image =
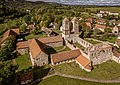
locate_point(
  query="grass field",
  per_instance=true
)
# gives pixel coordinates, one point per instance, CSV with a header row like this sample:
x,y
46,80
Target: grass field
x,y
108,70
23,61
111,9
111,39
42,34
79,46
57,49
57,80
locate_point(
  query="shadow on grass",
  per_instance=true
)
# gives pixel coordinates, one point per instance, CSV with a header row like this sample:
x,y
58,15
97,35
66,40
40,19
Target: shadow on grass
x,y
40,72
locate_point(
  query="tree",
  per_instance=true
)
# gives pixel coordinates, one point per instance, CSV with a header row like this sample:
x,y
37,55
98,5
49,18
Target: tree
x,y
27,19
7,71
108,30
23,27
7,49
97,31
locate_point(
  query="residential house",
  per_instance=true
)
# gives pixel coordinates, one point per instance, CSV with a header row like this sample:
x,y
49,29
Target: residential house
x,y
100,27
13,32
100,21
22,47
49,32
89,25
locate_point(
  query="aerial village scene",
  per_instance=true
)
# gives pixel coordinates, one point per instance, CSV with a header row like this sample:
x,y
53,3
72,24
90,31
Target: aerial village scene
x,y
46,42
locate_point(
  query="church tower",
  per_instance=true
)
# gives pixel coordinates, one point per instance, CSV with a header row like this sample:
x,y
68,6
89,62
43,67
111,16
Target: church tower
x,y
75,25
65,28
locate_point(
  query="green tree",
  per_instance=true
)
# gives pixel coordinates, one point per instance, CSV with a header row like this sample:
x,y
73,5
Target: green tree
x,y
7,71
7,49
97,31
108,30
23,27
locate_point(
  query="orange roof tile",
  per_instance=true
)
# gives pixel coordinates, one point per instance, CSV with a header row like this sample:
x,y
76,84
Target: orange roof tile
x,y
35,47
88,24
83,60
51,39
62,56
23,44
100,26
10,32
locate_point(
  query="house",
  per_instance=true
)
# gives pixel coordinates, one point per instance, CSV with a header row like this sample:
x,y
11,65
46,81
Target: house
x,y
38,55
113,13
31,27
88,24
49,32
64,57
52,41
84,63
22,47
101,21
99,15
100,27
14,32
27,77
90,19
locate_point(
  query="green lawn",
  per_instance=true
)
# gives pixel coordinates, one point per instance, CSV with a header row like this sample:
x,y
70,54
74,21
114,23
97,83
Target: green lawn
x,y
57,80
111,9
79,46
92,41
57,49
108,70
43,71
42,34
111,39
23,61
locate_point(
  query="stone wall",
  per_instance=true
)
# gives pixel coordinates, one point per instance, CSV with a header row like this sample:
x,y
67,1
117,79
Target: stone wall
x,y
116,59
23,51
100,56
41,59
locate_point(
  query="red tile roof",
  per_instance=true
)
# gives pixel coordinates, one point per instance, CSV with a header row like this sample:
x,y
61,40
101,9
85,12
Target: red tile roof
x,y
100,26
10,32
23,44
51,39
88,24
83,60
62,56
35,47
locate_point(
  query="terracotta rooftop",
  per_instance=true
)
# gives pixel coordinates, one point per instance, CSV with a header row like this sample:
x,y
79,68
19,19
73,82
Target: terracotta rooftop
x,y
62,56
23,44
100,26
10,32
26,76
88,24
35,47
51,39
83,60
